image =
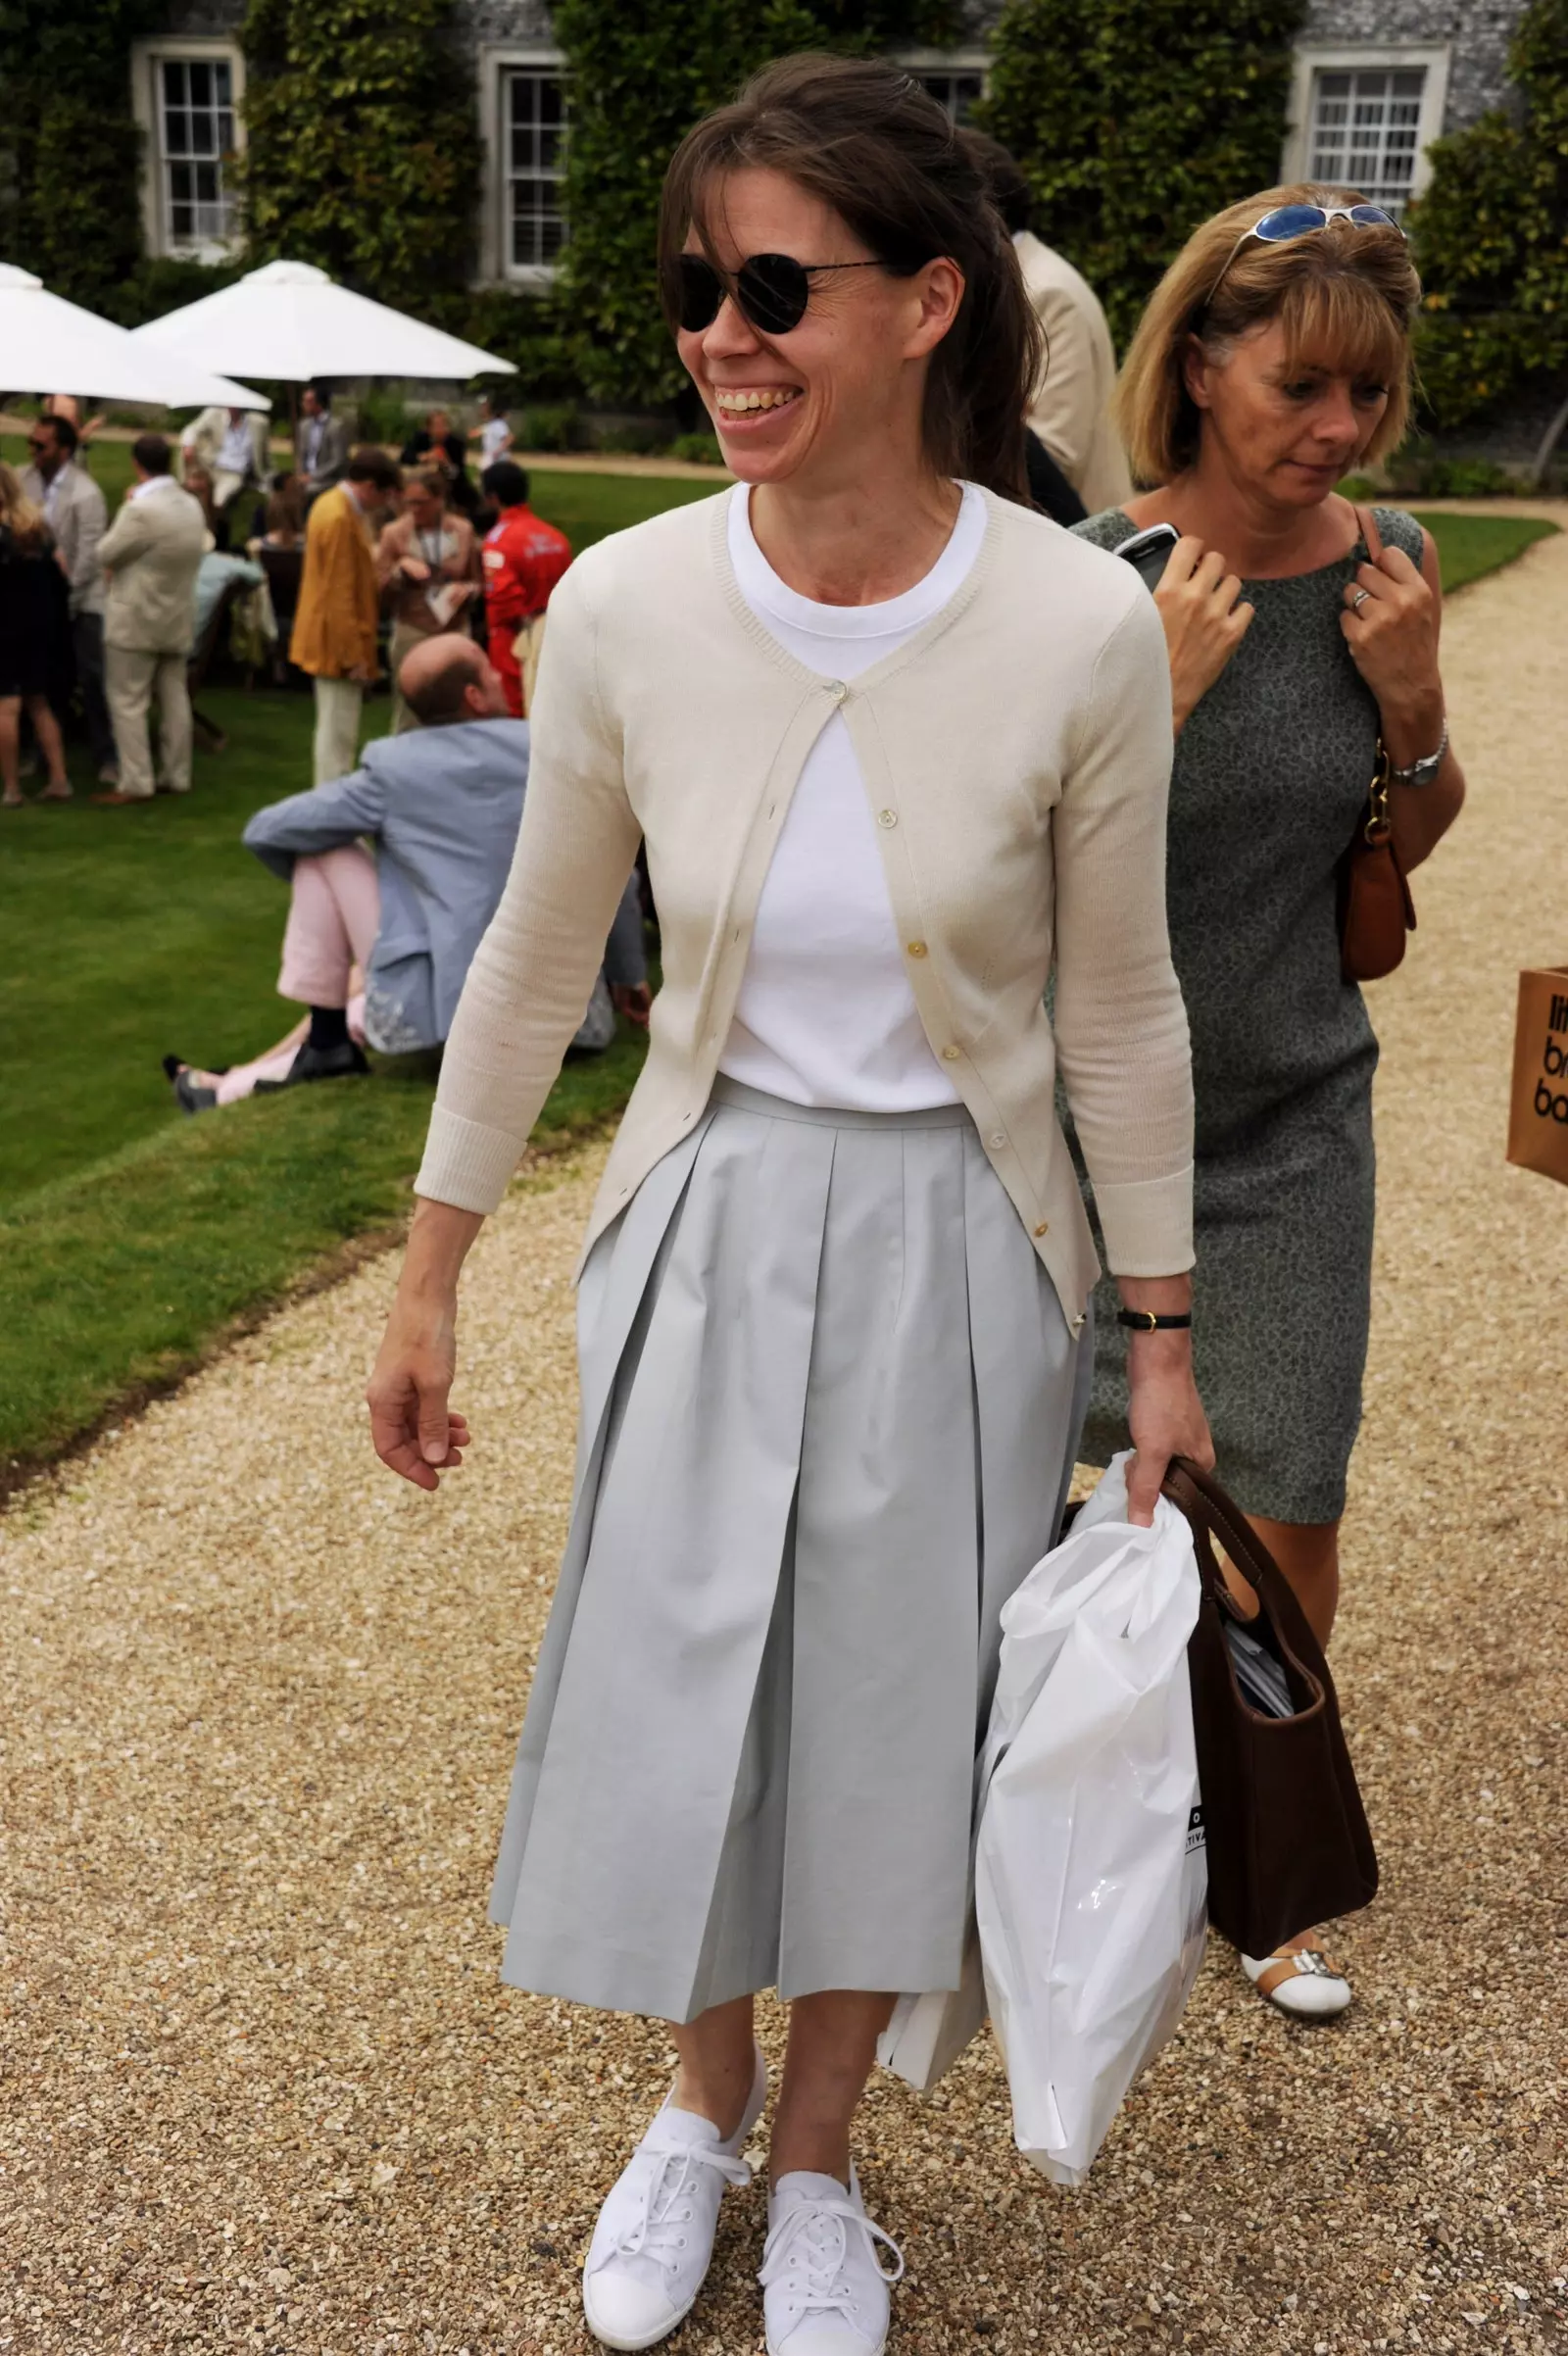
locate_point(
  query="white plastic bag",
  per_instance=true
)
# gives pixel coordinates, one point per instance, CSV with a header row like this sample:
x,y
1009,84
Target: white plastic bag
x,y
1090,1874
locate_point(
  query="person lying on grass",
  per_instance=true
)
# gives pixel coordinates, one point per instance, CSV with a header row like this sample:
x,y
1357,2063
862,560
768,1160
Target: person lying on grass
x,y
377,946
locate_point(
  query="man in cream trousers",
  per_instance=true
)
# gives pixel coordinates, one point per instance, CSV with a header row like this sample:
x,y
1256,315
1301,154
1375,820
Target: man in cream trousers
x,y
339,607
1070,410
152,553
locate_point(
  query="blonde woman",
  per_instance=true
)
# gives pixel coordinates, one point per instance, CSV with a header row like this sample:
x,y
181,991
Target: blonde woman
x,y
34,642
1273,360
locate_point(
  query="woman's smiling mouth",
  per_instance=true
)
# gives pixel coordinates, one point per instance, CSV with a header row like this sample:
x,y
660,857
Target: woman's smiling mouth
x,y
737,401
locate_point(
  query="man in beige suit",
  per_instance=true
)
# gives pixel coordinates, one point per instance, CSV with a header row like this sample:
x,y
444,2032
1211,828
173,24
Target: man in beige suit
x,y
1070,410
152,553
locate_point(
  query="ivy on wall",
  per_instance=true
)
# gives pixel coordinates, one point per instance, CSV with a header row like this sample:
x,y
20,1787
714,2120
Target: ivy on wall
x,y
1135,120
1490,235
362,145
639,79
69,150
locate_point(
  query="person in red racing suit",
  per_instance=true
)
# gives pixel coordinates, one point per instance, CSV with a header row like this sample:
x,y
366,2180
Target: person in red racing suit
x,y
523,559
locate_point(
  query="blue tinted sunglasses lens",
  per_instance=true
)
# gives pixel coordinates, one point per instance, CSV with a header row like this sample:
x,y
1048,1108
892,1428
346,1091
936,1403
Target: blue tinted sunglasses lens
x,y
1373,217
1291,221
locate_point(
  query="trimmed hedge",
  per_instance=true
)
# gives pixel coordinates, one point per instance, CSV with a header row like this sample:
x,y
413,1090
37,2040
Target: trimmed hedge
x,y
1135,120
639,79
1490,236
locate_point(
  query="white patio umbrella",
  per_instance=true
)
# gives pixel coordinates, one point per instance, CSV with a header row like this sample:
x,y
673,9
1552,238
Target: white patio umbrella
x,y
290,321
48,345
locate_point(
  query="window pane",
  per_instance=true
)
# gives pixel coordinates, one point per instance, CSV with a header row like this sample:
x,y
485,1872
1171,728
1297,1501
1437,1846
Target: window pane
x,y
195,132
1366,128
534,119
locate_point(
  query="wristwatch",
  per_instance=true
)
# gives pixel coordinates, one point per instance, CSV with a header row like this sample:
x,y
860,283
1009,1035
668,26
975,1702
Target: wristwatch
x,y
1422,772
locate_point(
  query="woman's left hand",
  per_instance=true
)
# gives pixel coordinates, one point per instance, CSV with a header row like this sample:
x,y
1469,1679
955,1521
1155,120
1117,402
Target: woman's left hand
x,y
1389,624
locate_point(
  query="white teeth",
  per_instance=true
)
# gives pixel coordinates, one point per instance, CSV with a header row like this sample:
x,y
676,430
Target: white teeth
x,y
737,401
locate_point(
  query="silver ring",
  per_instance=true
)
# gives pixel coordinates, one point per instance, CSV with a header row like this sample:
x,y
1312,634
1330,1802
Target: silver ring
x,y
1359,600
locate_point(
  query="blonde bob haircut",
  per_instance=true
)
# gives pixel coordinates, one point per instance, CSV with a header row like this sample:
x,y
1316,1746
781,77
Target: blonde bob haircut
x,y
1347,296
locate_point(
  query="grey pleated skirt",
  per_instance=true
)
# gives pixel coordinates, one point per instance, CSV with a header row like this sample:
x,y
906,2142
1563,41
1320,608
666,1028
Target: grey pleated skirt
x,y
830,1406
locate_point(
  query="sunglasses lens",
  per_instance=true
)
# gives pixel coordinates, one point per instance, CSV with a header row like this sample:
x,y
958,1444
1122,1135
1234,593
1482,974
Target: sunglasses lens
x,y
1373,217
774,292
1291,221
701,293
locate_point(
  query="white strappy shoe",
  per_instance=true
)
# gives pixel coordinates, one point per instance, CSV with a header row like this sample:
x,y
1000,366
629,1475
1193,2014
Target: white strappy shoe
x,y
1301,1980
650,2253
825,2288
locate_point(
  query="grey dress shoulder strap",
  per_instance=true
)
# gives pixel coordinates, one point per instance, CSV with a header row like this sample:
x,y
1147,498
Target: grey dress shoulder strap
x,y
1399,531
1108,529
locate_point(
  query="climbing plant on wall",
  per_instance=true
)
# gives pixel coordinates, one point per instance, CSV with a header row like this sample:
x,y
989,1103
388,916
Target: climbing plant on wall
x,y
1490,235
362,145
69,150
638,80
1135,120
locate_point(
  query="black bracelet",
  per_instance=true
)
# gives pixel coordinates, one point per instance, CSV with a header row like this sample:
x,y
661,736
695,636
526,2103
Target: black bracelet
x,y
1145,1321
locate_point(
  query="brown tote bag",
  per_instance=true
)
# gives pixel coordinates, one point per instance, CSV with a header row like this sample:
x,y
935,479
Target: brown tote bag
x,y
1376,910
1288,1841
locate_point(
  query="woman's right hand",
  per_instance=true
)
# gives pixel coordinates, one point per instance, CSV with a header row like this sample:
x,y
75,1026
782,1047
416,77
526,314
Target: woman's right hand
x,y
1205,619
413,1430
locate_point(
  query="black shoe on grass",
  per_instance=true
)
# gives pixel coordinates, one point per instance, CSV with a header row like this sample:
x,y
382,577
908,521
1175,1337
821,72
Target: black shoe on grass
x,y
345,1062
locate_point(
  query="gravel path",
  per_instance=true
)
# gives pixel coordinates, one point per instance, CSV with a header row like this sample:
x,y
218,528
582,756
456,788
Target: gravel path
x,y
262,2087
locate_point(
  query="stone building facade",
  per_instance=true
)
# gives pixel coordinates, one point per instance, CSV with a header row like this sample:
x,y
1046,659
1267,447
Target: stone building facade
x,y
1376,81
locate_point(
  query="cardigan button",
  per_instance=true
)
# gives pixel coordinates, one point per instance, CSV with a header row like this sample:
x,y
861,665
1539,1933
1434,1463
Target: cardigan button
x,y
1043,1227
837,689
887,817
951,1055
999,1138
916,949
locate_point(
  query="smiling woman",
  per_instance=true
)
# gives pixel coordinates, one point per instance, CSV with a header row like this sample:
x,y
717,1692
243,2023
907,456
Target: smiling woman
x,y
898,747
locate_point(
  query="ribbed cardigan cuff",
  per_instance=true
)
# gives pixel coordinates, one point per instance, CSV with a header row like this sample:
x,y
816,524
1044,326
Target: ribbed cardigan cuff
x,y
466,1163
1148,1225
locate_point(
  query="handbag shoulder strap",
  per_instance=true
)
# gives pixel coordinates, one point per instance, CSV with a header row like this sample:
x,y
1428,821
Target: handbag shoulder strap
x,y
1370,533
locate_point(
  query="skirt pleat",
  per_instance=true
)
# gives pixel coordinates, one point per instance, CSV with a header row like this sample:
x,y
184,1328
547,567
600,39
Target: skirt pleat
x,y
829,1411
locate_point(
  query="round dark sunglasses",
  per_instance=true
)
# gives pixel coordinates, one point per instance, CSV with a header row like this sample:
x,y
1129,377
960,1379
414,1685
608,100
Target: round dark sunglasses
x,y
771,290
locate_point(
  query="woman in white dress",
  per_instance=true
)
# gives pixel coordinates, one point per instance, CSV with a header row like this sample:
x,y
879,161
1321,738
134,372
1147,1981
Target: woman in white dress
x,y
898,747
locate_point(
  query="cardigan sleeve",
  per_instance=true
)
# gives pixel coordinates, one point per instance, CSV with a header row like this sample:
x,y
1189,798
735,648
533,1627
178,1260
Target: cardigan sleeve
x,y
1121,1027
534,971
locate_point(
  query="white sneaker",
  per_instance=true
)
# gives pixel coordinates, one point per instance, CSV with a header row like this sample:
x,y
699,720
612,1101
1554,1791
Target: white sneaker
x,y
825,2288
651,2247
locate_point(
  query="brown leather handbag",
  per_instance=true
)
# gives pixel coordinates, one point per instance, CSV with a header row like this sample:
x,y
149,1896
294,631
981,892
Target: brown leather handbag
x,y
1376,910
1287,1835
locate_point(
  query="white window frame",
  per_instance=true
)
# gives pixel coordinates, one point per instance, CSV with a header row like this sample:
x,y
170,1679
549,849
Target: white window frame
x,y
1313,58
495,59
945,60
148,59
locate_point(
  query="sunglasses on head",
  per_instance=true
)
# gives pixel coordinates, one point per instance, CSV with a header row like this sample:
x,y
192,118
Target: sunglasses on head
x,y
770,290
1299,220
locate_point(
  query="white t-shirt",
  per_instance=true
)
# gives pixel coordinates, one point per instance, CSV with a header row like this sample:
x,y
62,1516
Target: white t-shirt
x,y
494,435
826,1014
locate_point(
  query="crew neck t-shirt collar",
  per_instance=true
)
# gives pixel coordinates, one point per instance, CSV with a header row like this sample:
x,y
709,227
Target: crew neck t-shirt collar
x,y
790,613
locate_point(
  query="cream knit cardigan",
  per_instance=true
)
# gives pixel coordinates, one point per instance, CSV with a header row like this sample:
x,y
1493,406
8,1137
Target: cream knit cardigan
x,y
1017,757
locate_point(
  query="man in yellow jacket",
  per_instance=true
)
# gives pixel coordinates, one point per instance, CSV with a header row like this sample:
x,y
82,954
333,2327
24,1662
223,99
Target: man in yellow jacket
x,y
339,604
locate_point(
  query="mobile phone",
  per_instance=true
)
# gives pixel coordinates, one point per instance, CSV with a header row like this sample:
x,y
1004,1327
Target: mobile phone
x,y
1148,552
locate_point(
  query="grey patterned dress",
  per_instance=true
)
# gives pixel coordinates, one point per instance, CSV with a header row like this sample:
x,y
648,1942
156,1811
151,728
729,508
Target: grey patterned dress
x,y
1271,775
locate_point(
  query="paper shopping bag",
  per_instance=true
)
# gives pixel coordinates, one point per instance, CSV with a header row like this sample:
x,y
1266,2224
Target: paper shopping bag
x,y
1538,1110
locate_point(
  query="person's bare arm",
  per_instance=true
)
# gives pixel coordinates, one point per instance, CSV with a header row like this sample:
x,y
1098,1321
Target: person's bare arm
x,y
414,1428
1393,636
